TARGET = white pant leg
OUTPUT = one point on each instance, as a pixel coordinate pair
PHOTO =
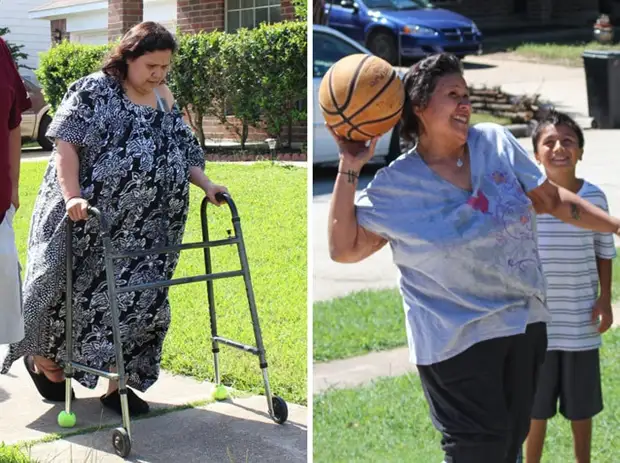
(11, 315)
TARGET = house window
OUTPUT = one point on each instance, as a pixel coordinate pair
(250, 13)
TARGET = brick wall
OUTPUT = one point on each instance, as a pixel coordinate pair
(58, 25)
(200, 15)
(122, 15)
(287, 10)
(217, 132)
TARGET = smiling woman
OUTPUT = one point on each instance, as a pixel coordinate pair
(457, 212)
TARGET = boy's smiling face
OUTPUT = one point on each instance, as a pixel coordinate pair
(558, 148)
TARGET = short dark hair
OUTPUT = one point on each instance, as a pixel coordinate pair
(557, 118)
(420, 81)
(141, 39)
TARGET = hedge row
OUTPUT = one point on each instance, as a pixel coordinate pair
(257, 75)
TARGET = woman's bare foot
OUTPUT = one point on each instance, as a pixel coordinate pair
(47, 377)
(50, 369)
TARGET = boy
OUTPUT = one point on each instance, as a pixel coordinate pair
(575, 262)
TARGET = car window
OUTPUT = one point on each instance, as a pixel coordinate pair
(327, 50)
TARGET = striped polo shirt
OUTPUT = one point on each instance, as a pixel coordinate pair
(568, 256)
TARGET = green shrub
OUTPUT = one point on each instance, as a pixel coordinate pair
(258, 75)
(64, 64)
(197, 78)
(283, 82)
(242, 78)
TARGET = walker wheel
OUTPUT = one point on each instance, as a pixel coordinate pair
(280, 410)
(121, 442)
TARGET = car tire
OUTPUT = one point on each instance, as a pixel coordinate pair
(383, 45)
(46, 143)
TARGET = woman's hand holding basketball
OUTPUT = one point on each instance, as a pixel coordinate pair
(354, 154)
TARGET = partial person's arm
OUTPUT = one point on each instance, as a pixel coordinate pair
(21, 102)
(68, 168)
(565, 205)
(349, 242)
(200, 179)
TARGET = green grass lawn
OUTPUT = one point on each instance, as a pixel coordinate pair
(564, 54)
(358, 323)
(368, 321)
(272, 205)
(476, 118)
(13, 454)
(388, 421)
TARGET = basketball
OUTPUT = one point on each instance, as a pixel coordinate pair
(361, 97)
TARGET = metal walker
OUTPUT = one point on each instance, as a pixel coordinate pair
(121, 436)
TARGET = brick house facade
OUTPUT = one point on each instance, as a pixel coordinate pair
(115, 17)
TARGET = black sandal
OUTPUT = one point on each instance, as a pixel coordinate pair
(49, 390)
(137, 406)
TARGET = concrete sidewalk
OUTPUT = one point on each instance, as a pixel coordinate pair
(235, 430)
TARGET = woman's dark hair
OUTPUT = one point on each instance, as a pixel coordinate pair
(557, 118)
(420, 82)
(141, 39)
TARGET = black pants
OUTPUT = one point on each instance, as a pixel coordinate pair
(481, 399)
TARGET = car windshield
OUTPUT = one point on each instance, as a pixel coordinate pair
(397, 4)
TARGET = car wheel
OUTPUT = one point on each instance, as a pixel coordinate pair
(46, 143)
(383, 45)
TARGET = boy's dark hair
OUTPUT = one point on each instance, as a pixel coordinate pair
(419, 82)
(557, 118)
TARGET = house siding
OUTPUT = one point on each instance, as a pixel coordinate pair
(34, 34)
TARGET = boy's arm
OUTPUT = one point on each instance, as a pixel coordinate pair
(602, 307)
(605, 250)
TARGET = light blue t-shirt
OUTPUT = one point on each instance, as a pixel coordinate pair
(468, 262)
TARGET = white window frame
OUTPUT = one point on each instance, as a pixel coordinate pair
(253, 8)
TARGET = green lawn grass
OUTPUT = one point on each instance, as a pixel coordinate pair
(272, 205)
(358, 323)
(368, 321)
(477, 118)
(563, 54)
(388, 421)
(14, 454)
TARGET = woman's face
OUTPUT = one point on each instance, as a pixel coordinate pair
(448, 111)
(149, 70)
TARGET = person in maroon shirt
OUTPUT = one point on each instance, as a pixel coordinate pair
(13, 101)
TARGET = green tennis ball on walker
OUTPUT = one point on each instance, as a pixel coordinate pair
(220, 393)
(66, 420)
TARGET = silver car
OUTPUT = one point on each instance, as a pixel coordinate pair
(36, 120)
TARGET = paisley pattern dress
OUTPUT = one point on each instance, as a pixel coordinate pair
(134, 167)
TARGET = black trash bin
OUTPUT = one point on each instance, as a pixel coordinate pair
(603, 86)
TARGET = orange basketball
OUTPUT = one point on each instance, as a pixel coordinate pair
(361, 97)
